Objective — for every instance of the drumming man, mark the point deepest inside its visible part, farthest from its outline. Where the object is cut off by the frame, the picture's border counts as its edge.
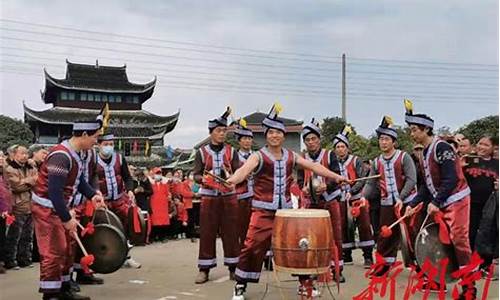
(115, 183)
(445, 185)
(60, 176)
(89, 164)
(351, 167)
(244, 190)
(396, 186)
(219, 208)
(272, 167)
(327, 193)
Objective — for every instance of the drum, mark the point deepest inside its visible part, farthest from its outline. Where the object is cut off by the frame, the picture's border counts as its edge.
(137, 236)
(429, 247)
(108, 245)
(302, 241)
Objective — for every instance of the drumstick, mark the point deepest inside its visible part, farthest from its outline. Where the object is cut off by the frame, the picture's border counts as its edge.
(80, 244)
(217, 177)
(365, 178)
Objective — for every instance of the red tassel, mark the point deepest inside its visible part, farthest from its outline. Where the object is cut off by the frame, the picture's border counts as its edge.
(87, 261)
(89, 229)
(137, 223)
(355, 211)
(9, 219)
(444, 235)
(89, 209)
(385, 231)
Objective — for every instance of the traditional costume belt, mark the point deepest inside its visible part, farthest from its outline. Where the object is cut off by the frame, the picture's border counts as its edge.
(118, 197)
(43, 201)
(353, 197)
(331, 196)
(246, 195)
(214, 193)
(456, 197)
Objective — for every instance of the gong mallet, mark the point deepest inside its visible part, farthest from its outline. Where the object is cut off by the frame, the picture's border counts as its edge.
(87, 259)
(88, 229)
(386, 231)
(220, 179)
(364, 178)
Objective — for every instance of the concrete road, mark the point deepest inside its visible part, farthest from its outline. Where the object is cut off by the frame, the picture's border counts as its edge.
(168, 272)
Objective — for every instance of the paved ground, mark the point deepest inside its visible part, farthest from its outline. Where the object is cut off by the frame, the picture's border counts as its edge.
(168, 272)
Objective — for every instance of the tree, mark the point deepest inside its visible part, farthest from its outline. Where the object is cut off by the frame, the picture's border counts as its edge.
(14, 132)
(330, 128)
(478, 128)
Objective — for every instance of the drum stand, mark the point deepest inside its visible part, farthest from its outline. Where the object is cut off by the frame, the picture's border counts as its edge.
(280, 288)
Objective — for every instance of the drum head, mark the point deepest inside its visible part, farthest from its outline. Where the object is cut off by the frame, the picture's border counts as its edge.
(136, 238)
(429, 247)
(303, 213)
(105, 216)
(108, 245)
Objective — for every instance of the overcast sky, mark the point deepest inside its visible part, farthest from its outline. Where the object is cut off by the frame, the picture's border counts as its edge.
(443, 54)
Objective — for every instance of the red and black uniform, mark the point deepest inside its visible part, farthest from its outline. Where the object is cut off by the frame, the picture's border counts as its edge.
(59, 179)
(397, 181)
(89, 164)
(244, 191)
(272, 182)
(114, 183)
(219, 211)
(352, 167)
(329, 200)
(446, 187)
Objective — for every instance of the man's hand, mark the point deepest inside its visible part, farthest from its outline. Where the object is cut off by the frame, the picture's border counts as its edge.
(72, 213)
(398, 205)
(184, 224)
(71, 225)
(131, 197)
(98, 200)
(431, 209)
(305, 191)
(321, 188)
(341, 179)
(139, 189)
(348, 196)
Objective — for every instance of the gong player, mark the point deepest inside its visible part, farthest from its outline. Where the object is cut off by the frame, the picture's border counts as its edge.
(115, 183)
(327, 192)
(60, 176)
(445, 188)
(272, 167)
(351, 167)
(395, 187)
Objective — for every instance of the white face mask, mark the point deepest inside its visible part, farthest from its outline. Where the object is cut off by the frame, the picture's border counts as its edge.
(158, 177)
(107, 150)
(191, 177)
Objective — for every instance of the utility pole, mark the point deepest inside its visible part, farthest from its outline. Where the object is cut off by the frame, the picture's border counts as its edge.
(344, 117)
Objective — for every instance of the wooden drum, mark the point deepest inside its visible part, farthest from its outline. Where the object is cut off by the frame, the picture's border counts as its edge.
(302, 241)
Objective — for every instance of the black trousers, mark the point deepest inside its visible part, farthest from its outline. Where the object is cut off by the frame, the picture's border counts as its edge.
(3, 229)
(191, 222)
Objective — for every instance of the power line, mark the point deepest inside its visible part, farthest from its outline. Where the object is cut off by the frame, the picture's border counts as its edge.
(128, 43)
(313, 89)
(317, 93)
(233, 75)
(182, 65)
(421, 62)
(167, 56)
(38, 25)
(234, 62)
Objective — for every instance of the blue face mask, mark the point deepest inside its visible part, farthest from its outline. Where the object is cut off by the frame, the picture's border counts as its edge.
(158, 177)
(107, 151)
